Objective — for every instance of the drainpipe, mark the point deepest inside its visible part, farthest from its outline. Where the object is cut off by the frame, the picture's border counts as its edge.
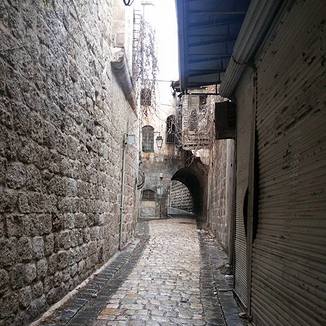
(230, 200)
(124, 148)
(121, 71)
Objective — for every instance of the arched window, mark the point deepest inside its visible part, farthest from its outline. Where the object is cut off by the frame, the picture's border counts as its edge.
(148, 195)
(170, 130)
(148, 139)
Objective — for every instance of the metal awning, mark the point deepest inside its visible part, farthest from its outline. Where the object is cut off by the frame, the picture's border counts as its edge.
(208, 30)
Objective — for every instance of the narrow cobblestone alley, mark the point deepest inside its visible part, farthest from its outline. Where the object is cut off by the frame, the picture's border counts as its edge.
(158, 280)
(162, 162)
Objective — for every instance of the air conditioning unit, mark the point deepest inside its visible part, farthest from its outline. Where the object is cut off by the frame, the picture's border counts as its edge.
(225, 120)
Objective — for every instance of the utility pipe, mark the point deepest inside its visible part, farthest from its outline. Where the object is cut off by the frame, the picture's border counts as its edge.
(230, 199)
(124, 148)
(121, 71)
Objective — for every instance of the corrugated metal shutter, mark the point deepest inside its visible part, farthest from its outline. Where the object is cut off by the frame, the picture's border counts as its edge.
(240, 280)
(244, 121)
(289, 259)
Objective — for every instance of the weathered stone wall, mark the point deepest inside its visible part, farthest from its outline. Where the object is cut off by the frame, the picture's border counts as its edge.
(160, 165)
(159, 170)
(180, 197)
(217, 191)
(62, 118)
(219, 157)
(221, 191)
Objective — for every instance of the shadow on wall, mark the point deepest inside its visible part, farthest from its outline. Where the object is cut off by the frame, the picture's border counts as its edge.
(189, 178)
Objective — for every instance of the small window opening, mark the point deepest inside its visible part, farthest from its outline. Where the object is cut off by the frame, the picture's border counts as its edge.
(170, 130)
(148, 195)
(148, 139)
(202, 100)
(145, 97)
(193, 123)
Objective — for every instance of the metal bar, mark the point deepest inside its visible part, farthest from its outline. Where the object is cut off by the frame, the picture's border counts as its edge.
(202, 72)
(203, 93)
(195, 44)
(208, 59)
(226, 13)
(210, 54)
(205, 24)
(124, 148)
(251, 195)
(231, 184)
(185, 40)
(212, 32)
(212, 51)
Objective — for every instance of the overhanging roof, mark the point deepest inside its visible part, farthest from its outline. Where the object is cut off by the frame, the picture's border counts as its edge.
(208, 30)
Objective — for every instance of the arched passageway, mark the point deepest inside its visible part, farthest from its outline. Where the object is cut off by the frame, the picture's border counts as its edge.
(189, 178)
(180, 197)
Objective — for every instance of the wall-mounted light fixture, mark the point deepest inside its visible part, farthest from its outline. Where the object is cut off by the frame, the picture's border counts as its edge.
(128, 2)
(159, 141)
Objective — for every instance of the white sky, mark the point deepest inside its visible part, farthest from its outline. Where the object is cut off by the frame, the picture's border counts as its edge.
(162, 16)
(167, 39)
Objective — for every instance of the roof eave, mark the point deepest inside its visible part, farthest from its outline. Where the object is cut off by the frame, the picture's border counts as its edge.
(257, 22)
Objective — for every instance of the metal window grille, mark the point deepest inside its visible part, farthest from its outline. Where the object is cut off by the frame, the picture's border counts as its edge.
(170, 130)
(148, 139)
(145, 97)
(148, 195)
(193, 123)
(202, 101)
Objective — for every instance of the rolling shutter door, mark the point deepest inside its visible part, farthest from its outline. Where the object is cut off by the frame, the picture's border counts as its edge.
(240, 281)
(244, 121)
(289, 260)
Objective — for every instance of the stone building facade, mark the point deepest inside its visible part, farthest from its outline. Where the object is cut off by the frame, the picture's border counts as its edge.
(217, 158)
(63, 116)
(220, 210)
(159, 164)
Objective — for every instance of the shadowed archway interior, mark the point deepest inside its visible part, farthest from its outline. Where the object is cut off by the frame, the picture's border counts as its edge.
(188, 177)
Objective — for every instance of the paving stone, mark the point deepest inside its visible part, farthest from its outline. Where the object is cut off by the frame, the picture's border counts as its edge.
(168, 278)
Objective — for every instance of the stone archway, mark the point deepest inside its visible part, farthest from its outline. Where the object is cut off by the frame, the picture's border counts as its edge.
(180, 199)
(189, 178)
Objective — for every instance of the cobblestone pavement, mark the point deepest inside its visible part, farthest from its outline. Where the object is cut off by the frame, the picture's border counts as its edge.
(172, 277)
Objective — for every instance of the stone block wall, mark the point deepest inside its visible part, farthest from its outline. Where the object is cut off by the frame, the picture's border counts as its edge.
(62, 119)
(158, 169)
(218, 219)
(180, 197)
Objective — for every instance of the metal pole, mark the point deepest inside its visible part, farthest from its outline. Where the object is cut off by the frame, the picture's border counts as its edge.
(231, 175)
(124, 147)
(160, 207)
(251, 195)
